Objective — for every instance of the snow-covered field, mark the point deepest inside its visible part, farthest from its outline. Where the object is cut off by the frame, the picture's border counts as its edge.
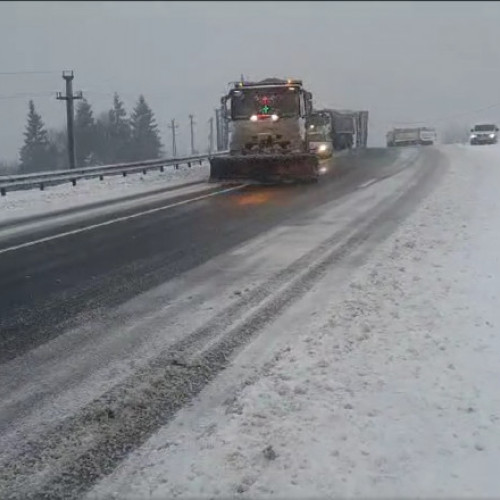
(387, 387)
(17, 204)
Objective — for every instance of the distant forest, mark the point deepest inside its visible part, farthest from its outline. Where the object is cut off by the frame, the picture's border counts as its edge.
(112, 137)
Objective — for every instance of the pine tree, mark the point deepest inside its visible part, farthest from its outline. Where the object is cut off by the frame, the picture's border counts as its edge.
(119, 131)
(58, 141)
(35, 155)
(85, 134)
(103, 142)
(145, 141)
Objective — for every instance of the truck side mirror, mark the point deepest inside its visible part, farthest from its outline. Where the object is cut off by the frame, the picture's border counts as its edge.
(472, 130)
(496, 129)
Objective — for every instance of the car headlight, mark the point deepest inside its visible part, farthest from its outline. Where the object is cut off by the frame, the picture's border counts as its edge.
(492, 136)
(322, 148)
(473, 136)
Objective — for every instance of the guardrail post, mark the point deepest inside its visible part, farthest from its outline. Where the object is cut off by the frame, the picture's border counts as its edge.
(189, 164)
(42, 187)
(73, 181)
(124, 174)
(144, 171)
(176, 166)
(201, 162)
(101, 177)
(162, 168)
(3, 191)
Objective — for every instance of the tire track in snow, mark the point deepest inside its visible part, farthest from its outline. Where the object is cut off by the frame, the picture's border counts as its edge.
(67, 461)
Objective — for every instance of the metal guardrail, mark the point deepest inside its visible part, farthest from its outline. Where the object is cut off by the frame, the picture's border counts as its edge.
(11, 182)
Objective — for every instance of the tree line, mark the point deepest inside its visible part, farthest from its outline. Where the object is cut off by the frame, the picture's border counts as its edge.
(112, 137)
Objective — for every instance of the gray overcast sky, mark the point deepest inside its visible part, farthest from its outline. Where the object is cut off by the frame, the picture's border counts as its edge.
(402, 61)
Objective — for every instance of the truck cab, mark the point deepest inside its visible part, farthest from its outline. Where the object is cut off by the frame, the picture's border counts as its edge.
(267, 136)
(267, 116)
(319, 132)
(483, 133)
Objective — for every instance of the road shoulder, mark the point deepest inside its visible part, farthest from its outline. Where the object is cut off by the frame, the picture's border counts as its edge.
(389, 381)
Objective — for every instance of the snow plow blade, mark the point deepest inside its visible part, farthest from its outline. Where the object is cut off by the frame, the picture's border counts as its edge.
(265, 168)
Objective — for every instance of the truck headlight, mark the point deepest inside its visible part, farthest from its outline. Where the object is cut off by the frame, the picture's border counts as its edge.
(322, 148)
(473, 136)
(254, 118)
(492, 136)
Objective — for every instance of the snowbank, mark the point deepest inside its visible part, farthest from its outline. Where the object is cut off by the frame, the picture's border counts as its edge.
(87, 191)
(392, 391)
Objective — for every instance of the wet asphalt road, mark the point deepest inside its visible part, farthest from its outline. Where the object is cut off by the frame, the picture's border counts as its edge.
(48, 287)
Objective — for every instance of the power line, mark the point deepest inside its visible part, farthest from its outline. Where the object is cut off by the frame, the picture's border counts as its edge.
(5, 73)
(448, 117)
(472, 111)
(24, 95)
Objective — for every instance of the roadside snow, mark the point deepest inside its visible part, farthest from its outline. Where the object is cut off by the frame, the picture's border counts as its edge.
(390, 391)
(64, 196)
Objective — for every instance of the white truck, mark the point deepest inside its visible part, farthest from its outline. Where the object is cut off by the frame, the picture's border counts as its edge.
(330, 129)
(423, 136)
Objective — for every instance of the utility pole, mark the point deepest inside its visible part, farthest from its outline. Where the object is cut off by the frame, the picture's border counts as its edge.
(211, 136)
(173, 126)
(218, 129)
(221, 128)
(191, 125)
(70, 114)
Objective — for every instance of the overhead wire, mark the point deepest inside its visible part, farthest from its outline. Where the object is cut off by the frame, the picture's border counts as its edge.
(450, 116)
(8, 73)
(24, 95)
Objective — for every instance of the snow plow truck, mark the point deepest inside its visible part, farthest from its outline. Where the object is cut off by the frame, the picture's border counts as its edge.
(268, 140)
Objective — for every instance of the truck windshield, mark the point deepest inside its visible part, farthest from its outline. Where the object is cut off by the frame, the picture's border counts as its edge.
(279, 100)
(318, 121)
(318, 137)
(484, 128)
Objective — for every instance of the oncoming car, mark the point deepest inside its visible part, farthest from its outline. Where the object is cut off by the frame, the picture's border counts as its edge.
(484, 134)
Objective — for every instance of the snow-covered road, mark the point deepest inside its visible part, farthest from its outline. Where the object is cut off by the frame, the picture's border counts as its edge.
(379, 382)
(26, 203)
